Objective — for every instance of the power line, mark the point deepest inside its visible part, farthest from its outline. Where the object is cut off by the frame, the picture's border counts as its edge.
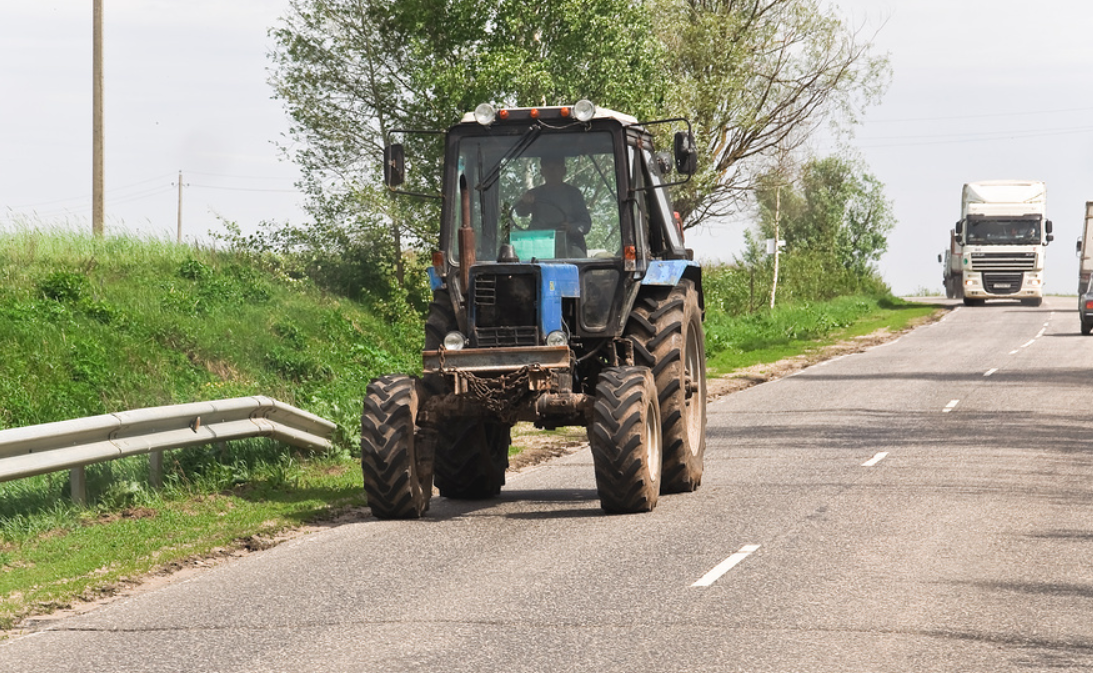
(246, 189)
(949, 139)
(241, 177)
(86, 198)
(978, 116)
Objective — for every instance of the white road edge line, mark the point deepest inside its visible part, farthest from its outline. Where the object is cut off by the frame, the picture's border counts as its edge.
(875, 459)
(1028, 343)
(950, 406)
(725, 566)
(990, 371)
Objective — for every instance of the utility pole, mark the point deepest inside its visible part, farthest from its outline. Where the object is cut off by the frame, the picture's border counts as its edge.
(180, 186)
(777, 235)
(98, 208)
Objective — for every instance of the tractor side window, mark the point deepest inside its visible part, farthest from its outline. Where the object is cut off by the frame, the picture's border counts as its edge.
(660, 205)
(639, 204)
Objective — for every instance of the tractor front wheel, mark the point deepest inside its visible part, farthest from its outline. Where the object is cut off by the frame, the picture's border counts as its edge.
(626, 440)
(398, 475)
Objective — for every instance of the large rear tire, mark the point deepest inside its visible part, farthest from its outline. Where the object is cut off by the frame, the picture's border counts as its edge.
(667, 334)
(626, 440)
(471, 459)
(398, 475)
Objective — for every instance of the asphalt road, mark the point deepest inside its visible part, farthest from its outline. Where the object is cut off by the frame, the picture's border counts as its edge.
(923, 506)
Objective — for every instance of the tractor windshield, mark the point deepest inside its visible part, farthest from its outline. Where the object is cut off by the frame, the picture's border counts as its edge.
(548, 195)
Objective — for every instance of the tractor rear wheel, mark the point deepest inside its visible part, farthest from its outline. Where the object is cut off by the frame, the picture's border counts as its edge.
(398, 473)
(471, 459)
(626, 440)
(666, 330)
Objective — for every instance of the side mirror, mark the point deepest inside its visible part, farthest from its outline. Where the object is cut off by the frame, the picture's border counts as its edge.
(686, 154)
(958, 232)
(1047, 226)
(939, 258)
(1078, 246)
(394, 165)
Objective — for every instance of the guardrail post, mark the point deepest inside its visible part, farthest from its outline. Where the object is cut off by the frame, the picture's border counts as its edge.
(78, 479)
(155, 469)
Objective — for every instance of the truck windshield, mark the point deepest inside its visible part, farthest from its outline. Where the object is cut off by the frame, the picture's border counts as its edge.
(1002, 231)
(549, 195)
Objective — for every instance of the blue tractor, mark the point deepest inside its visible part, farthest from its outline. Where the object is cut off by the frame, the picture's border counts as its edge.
(563, 295)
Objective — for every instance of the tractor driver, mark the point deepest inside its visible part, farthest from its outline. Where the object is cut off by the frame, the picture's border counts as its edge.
(556, 204)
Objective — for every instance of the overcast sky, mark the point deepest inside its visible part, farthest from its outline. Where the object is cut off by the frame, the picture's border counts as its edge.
(982, 89)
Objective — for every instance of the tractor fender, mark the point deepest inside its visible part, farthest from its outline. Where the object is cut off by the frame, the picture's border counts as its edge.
(668, 273)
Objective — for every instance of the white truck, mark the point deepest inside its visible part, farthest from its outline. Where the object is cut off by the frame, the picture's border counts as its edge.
(999, 242)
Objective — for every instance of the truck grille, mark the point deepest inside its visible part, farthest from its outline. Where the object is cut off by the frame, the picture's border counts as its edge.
(505, 310)
(1002, 283)
(1003, 261)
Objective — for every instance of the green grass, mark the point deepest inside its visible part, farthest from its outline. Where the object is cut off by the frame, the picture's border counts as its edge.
(735, 342)
(65, 554)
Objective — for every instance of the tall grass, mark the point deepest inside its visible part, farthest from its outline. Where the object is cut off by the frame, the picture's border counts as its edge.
(97, 325)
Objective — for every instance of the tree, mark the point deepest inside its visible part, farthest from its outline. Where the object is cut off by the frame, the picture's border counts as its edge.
(832, 210)
(757, 77)
(350, 71)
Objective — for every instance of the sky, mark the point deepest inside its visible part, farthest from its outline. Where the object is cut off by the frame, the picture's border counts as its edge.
(981, 89)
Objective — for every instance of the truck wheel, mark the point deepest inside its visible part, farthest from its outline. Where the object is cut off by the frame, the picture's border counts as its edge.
(1087, 327)
(626, 440)
(398, 477)
(472, 459)
(668, 339)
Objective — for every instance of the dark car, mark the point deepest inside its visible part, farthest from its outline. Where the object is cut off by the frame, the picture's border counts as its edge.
(1085, 311)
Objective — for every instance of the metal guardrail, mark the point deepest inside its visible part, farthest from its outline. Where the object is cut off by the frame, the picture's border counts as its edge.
(50, 447)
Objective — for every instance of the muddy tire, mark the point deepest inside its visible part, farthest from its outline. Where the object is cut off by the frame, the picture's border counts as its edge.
(626, 440)
(471, 459)
(666, 330)
(398, 477)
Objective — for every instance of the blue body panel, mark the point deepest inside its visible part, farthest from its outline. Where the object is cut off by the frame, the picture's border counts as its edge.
(558, 280)
(435, 281)
(666, 272)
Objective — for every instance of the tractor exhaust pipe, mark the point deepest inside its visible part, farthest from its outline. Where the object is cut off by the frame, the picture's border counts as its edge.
(466, 235)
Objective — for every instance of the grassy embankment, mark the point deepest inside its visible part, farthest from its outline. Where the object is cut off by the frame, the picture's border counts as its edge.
(90, 327)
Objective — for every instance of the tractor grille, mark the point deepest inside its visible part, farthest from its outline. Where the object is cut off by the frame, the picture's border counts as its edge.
(1002, 283)
(1003, 261)
(505, 310)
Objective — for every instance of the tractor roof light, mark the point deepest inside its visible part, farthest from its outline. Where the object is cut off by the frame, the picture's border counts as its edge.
(584, 110)
(485, 114)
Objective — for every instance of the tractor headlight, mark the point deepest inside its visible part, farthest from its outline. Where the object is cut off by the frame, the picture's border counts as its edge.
(584, 110)
(557, 338)
(454, 341)
(484, 114)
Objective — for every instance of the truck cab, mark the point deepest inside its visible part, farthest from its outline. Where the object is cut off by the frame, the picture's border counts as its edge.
(1002, 238)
